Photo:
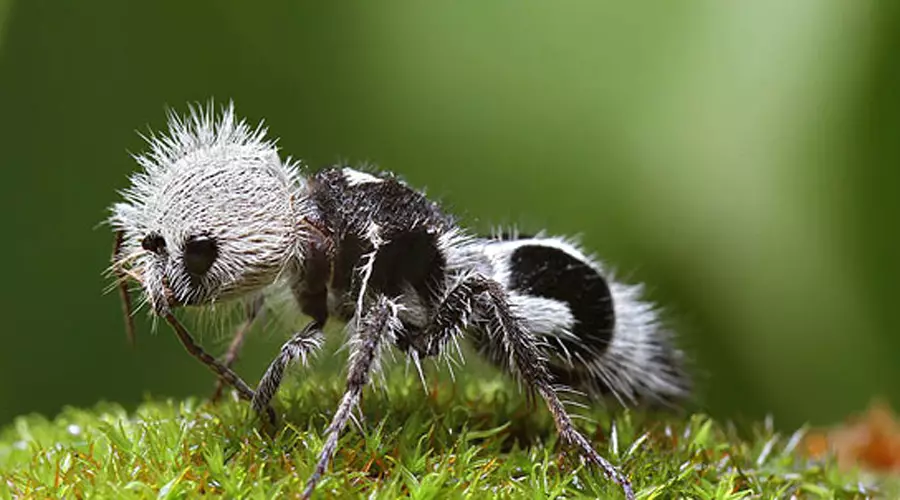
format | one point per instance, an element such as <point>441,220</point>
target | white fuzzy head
<point>214,214</point>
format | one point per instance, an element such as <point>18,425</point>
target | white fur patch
<point>355,177</point>
<point>543,315</point>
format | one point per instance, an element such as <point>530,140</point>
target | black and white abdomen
<point>557,295</point>
<point>599,335</point>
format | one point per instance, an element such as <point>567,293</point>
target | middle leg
<point>379,326</point>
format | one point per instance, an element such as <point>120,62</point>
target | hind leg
<point>523,354</point>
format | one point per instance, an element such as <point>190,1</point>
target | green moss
<point>473,439</point>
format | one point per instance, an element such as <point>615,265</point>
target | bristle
<point>210,175</point>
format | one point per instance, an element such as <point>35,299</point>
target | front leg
<point>253,311</point>
<point>222,371</point>
<point>297,348</point>
<point>477,295</point>
<point>378,326</point>
<point>311,295</point>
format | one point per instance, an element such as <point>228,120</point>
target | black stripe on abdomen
<point>552,273</point>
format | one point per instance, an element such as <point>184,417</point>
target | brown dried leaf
<point>870,441</point>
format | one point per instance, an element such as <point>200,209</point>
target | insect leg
<point>299,347</point>
<point>486,299</point>
<point>253,311</point>
<point>451,316</point>
<point>378,327</point>
<point>222,371</point>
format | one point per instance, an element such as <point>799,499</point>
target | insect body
<point>217,214</point>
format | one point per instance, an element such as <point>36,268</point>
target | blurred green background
<point>742,158</point>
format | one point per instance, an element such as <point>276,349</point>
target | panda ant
<point>216,214</point>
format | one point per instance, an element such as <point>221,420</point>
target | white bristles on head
<point>217,183</point>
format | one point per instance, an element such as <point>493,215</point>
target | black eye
<point>199,255</point>
<point>153,242</point>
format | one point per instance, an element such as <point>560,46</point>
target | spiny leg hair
<point>377,328</point>
<point>485,299</point>
<point>299,347</point>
